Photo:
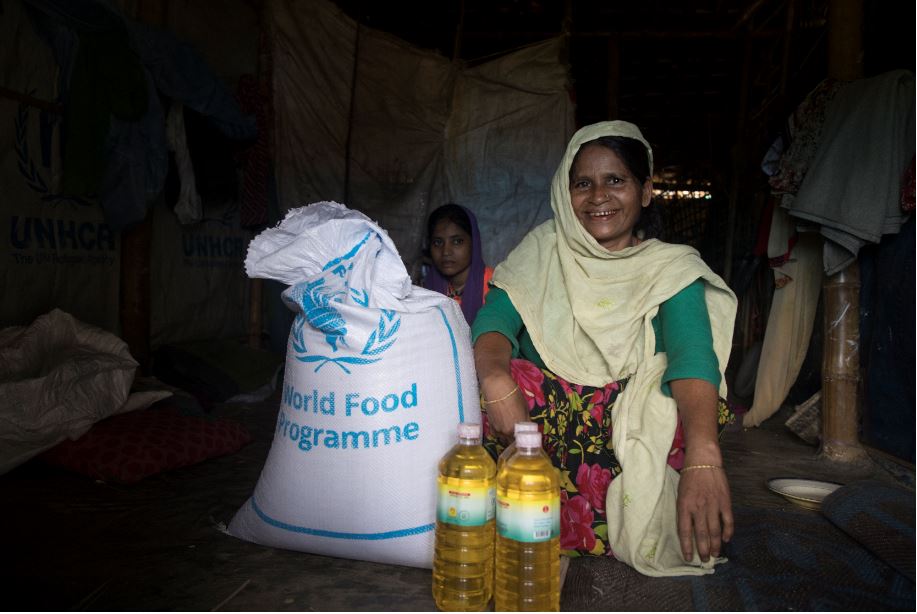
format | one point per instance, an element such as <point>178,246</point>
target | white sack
<point>378,374</point>
<point>58,376</point>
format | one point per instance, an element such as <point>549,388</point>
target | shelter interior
<point>258,107</point>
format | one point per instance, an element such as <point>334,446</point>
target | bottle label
<point>528,521</point>
<point>465,505</point>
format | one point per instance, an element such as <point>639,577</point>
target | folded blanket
<point>878,516</point>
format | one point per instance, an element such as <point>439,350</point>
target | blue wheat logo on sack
<point>321,315</point>
<point>318,299</point>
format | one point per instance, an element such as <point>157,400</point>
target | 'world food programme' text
<point>297,406</point>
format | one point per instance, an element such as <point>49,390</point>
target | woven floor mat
<point>777,561</point>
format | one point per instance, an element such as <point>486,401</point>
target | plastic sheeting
<point>58,252</point>
<point>58,376</point>
<point>198,284</point>
<point>394,131</point>
<point>55,251</point>
<point>887,337</point>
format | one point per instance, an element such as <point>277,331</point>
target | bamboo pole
<point>134,284</point>
<point>845,39</point>
<point>738,159</point>
<point>44,105</point>
<point>255,287</point>
<point>351,113</point>
<point>614,75</point>
<point>135,291</point>
<point>787,46</point>
<point>459,28</point>
<point>264,77</point>
<point>841,362</point>
<point>840,368</point>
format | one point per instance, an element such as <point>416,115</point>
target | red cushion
<point>129,447</point>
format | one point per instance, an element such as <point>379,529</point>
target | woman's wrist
<point>486,401</point>
<point>496,382</point>
<point>502,400</point>
<point>703,453</point>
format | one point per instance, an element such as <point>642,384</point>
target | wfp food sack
<point>378,373</point>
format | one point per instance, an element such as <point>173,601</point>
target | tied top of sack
<point>328,245</point>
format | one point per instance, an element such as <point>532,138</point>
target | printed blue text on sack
<point>353,401</point>
<point>307,437</point>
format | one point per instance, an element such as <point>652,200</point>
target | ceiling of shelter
<point>697,76</point>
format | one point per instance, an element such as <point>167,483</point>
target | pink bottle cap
<point>525,427</point>
<point>528,439</point>
<point>469,430</point>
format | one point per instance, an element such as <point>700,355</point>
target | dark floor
<point>783,557</point>
<point>757,454</point>
<point>70,543</point>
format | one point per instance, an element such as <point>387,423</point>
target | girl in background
<point>458,269</point>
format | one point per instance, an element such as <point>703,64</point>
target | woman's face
<point>450,249</point>
<point>606,196</point>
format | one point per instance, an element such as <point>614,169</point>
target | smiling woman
<point>614,343</point>
<point>607,196</point>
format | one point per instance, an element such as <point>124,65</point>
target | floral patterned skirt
<point>575,422</point>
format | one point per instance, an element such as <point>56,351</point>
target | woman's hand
<point>502,415</point>
<point>504,403</point>
<point>704,506</point>
<point>704,512</point>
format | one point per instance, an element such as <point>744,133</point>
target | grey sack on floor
<point>879,517</point>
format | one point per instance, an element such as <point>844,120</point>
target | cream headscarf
<point>589,313</point>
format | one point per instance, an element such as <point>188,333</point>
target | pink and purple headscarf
<point>473,292</point>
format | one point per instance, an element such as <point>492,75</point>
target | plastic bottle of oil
<point>520,427</point>
<point>463,562</point>
<point>527,574</point>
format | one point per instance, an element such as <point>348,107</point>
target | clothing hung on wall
<point>840,176</point>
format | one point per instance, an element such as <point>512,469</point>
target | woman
<point>455,249</point>
<point>591,314</point>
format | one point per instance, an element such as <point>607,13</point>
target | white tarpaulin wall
<point>55,251</point>
<point>58,252</point>
<point>420,130</point>
<point>198,284</point>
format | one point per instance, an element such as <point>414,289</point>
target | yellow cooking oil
<point>508,451</point>
<point>527,566</point>
<point>463,558</point>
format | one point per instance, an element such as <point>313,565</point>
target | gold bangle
<point>503,398</point>
<point>690,467</point>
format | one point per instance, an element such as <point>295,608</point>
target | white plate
<point>807,493</point>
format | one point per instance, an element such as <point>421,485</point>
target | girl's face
<point>606,196</point>
<point>450,249</point>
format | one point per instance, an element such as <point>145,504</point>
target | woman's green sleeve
<point>498,315</point>
<point>683,332</point>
